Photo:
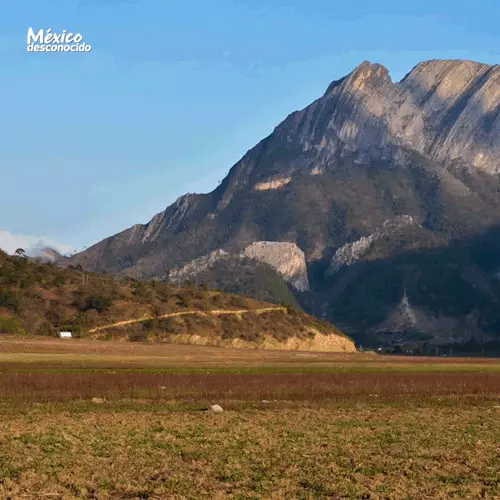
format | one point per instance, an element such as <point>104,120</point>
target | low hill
<point>43,299</point>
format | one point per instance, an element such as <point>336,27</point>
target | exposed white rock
<point>350,253</point>
<point>446,110</point>
<point>459,101</point>
<point>181,209</point>
<point>353,252</point>
<point>407,317</point>
<point>286,258</point>
<point>272,184</point>
<point>196,266</point>
<point>406,311</point>
<point>216,408</point>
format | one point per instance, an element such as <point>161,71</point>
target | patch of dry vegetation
<point>111,420</point>
<point>42,299</point>
<point>231,386</point>
<point>248,325</point>
<point>355,450</point>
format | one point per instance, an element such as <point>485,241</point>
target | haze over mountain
<point>387,194</point>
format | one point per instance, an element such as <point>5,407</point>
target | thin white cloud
<point>10,242</point>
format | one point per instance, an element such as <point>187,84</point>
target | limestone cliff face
<point>460,105</point>
<point>446,110</point>
<point>192,269</point>
<point>286,258</point>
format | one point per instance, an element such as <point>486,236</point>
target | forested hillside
<point>43,299</point>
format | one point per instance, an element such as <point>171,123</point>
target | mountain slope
<point>368,153</point>
<point>450,293</point>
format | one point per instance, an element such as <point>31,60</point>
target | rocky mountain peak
<point>368,74</point>
<point>451,73</point>
<point>448,110</point>
<point>460,103</point>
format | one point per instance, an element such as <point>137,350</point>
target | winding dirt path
<point>215,312</point>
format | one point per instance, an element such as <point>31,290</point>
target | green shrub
<point>46,330</point>
<point>9,300</point>
<point>11,326</point>
<point>59,280</point>
<point>186,299</point>
<point>98,302</point>
<point>138,337</point>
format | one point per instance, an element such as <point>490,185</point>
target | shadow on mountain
<point>458,284</point>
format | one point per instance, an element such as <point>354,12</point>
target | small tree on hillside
<point>20,252</point>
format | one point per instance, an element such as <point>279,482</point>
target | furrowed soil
<point>83,419</point>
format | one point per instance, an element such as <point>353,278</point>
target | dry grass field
<point>95,419</point>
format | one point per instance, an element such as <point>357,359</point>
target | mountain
<point>42,299</point>
<point>373,173</point>
<point>49,255</point>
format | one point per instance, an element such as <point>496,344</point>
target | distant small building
<point>65,335</point>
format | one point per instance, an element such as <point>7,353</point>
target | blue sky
<point>174,93</point>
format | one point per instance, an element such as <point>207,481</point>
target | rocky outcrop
<point>353,252</point>
<point>286,258</point>
<point>319,343</point>
<point>272,184</point>
<point>460,105</point>
<point>446,110</point>
<point>192,269</point>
